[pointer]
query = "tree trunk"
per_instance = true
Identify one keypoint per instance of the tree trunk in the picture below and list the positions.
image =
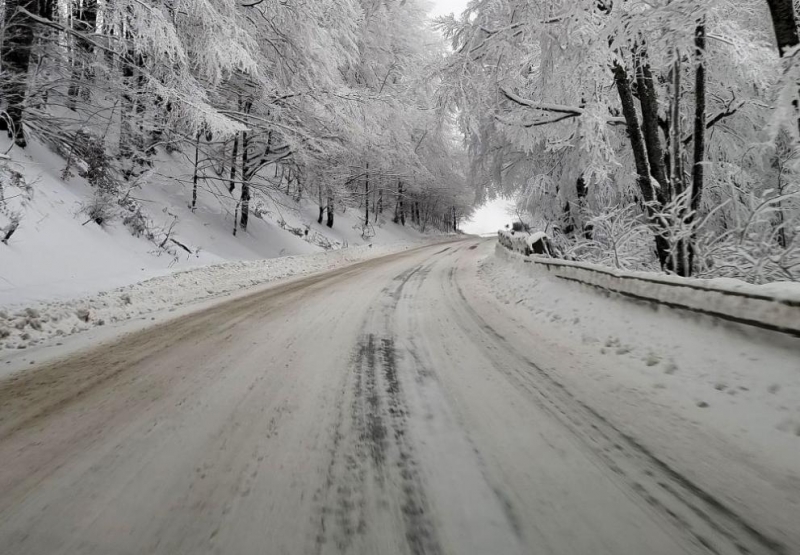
(84, 20)
(329, 223)
(699, 136)
(126, 130)
(366, 197)
(298, 190)
(582, 190)
(245, 197)
(640, 159)
(16, 55)
(320, 204)
(699, 117)
(196, 163)
(131, 142)
(246, 175)
(234, 160)
(398, 207)
(785, 24)
(676, 156)
(648, 99)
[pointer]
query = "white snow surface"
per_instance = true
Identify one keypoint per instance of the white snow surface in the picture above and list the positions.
(60, 275)
(54, 255)
(23, 326)
(738, 382)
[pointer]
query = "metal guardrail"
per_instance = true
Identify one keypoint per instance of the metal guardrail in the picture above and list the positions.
(750, 308)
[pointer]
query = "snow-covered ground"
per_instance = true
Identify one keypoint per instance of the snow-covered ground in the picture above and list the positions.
(60, 275)
(434, 401)
(55, 254)
(664, 373)
(23, 326)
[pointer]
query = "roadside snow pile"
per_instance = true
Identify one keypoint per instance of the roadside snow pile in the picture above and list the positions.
(24, 326)
(774, 306)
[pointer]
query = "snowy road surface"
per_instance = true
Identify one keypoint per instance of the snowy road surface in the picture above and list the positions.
(387, 407)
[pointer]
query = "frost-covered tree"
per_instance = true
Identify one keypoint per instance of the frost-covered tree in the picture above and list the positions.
(583, 108)
(327, 99)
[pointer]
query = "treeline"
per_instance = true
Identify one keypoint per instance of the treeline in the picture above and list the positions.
(329, 100)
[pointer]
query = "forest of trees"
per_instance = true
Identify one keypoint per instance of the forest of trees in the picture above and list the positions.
(328, 100)
(657, 135)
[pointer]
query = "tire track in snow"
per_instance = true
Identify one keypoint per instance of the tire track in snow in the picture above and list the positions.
(705, 519)
(371, 454)
(420, 532)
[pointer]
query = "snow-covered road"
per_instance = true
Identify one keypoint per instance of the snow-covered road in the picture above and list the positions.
(391, 406)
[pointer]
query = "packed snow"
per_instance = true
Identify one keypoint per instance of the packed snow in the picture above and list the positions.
(60, 274)
(740, 382)
(23, 326)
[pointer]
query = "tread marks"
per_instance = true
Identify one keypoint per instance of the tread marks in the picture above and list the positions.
(372, 461)
(709, 522)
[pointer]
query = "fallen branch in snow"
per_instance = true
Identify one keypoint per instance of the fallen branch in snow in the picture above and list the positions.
(181, 245)
(9, 231)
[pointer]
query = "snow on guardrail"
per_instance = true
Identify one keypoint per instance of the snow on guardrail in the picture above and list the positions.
(773, 306)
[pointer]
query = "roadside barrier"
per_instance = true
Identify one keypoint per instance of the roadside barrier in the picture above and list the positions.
(774, 306)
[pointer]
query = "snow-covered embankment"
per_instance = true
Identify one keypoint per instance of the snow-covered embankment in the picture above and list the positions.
(23, 326)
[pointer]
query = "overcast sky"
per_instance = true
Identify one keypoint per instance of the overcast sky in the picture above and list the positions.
(444, 7)
(490, 217)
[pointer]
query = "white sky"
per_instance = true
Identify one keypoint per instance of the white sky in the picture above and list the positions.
(444, 7)
(490, 217)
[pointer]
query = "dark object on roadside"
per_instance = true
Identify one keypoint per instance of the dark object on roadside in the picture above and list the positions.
(537, 243)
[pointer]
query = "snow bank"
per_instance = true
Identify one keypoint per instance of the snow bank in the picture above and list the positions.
(55, 254)
(22, 326)
(774, 307)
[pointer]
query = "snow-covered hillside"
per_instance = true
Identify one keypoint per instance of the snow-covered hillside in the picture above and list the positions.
(56, 254)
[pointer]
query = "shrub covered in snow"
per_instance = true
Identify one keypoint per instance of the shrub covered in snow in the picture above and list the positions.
(527, 243)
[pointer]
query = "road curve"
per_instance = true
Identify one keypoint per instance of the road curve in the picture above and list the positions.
(379, 408)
